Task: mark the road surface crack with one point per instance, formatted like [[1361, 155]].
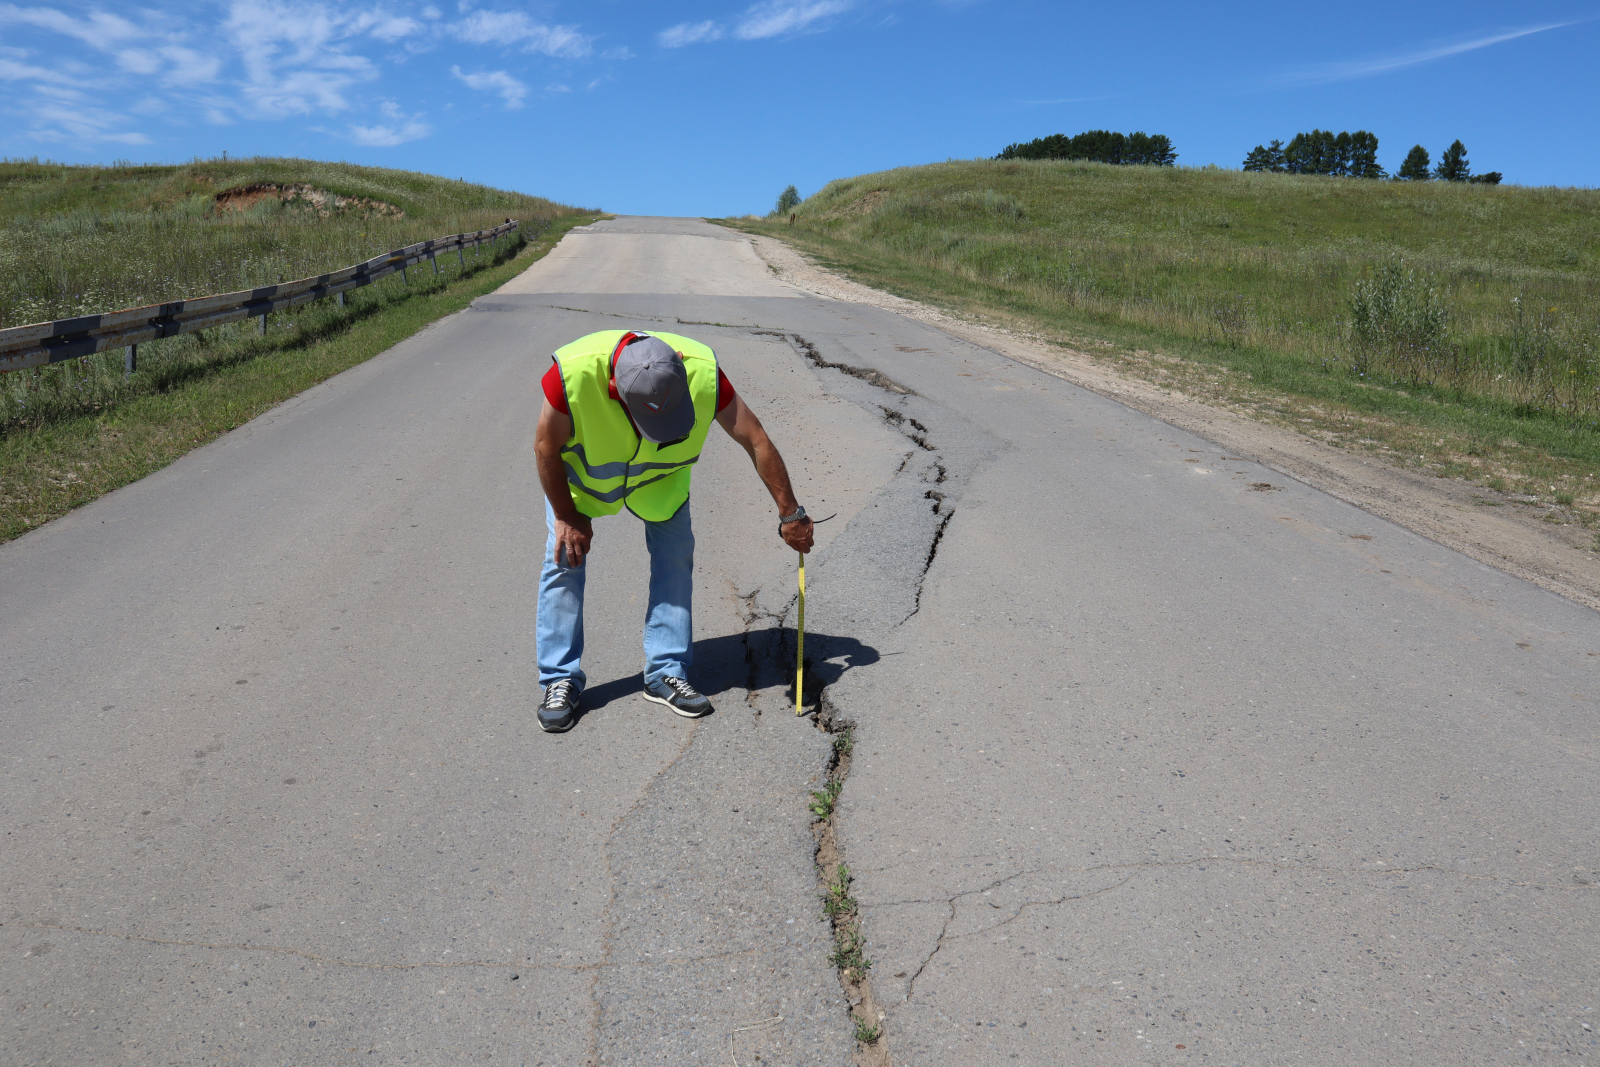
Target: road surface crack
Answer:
[[833, 875], [809, 352], [945, 935]]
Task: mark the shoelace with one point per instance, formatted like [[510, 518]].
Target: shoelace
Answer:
[[558, 694], [681, 687]]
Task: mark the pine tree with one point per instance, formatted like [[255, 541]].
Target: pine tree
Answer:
[[1103, 146], [1415, 168], [1261, 158], [1343, 149], [1453, 164], [1364, 155], [1493, 177]]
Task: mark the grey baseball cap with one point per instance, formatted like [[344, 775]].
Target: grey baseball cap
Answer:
[[654, 387]]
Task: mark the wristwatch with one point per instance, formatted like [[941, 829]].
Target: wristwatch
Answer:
[[784, 520]]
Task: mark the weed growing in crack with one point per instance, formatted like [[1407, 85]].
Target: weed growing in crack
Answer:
[[840, 908], [847, 955], [837, 902], [822, 800]]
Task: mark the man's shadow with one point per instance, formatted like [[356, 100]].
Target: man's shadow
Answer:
[[759, 659]]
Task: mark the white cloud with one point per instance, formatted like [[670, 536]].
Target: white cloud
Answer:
[[15, 70], [384, 26], [510, 89], [294, 57], [1363, 68], [186, 66], [99, 30], [82, 124], [776, 17], [246, 59], [689, 33], [400, 129], [516, 28]]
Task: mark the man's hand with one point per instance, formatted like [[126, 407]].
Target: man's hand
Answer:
[[573, 538], [573, 532], [797, 534]]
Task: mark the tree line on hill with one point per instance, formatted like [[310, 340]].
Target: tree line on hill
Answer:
[[1101, 146], [1355, 155]]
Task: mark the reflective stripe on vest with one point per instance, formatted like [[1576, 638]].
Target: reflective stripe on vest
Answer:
[[608, 464]]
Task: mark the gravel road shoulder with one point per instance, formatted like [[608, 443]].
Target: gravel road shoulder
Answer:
[[1454, 513]]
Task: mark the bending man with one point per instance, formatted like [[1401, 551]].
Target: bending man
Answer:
[[624, 419]]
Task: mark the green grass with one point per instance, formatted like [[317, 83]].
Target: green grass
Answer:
[[1244, 288], [77, 240], [66, 457]]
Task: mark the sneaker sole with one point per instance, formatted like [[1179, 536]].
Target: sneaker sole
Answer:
[[677, 710], [557, 727]]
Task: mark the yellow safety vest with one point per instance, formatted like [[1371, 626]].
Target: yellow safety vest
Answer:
[[608, 463]]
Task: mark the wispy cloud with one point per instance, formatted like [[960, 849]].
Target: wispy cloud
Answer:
[[1366, 68], [97, 30], [512, 91], [241, 60], [774, 18], [689, 33], [398, 130], [516, 28]]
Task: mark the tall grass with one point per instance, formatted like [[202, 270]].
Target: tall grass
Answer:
[[80, 240], [1481, 294]]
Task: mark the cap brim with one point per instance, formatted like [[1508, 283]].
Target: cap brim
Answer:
[[668, 426]]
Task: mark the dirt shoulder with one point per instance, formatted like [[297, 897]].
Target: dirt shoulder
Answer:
[[1522, 538]]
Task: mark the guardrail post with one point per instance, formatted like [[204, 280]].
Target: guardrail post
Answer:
[[435, 261], [341, 298], [263, 324], [130, 361], [404, 277], [460, 262]]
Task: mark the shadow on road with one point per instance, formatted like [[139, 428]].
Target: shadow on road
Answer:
[[755, 660]]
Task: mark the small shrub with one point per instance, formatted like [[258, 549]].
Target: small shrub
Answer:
[[1398, 317], [788, 200]]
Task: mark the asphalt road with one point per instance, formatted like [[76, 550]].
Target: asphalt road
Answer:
[[1161, 757]]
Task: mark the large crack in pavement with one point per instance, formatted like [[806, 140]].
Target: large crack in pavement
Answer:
[[692, 889], [866, 585]]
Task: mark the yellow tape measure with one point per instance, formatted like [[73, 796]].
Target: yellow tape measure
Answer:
[[800, 643]]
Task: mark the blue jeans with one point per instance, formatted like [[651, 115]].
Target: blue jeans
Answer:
[[668, 621]]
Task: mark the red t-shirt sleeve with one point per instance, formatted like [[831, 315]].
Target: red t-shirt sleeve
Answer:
[[725, 392], [554, 390]]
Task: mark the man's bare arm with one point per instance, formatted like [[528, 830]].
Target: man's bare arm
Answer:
[[743, 426], [573, 531]]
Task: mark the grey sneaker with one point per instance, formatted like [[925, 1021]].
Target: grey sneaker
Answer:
[[560, 708], [680, 696]]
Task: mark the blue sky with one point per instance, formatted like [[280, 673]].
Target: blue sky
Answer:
[[711, 107]]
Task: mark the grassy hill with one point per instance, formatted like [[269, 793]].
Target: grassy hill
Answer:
[[77, 240], [1471, 309]]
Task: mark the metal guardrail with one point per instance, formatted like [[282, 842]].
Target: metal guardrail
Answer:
[[44, 343]]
